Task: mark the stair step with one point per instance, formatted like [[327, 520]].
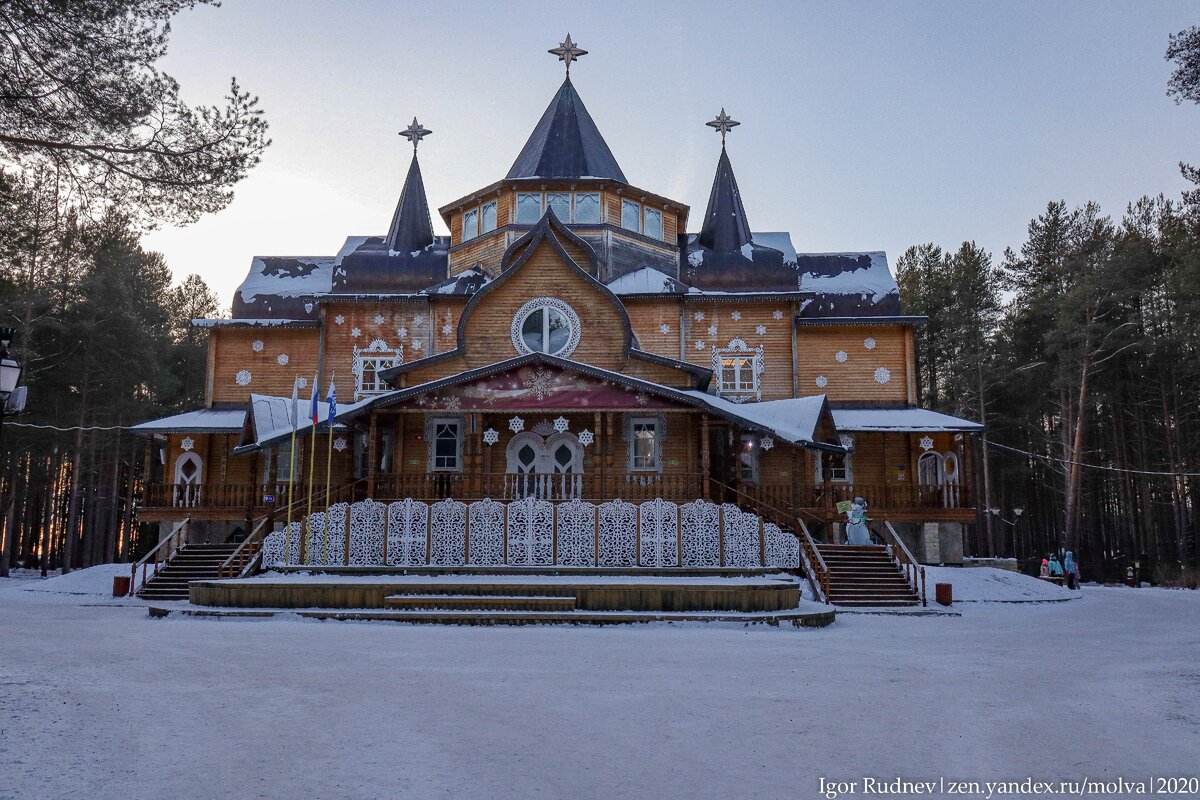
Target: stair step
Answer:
[[876, 603], [466, 602]]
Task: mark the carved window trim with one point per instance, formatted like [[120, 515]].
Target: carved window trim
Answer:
[[738, 357], [660, 436], [379, 357], [540, 304], [431, 433]]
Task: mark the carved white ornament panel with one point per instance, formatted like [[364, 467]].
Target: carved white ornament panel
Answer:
[[712, 330], [577, 534], [315, 547], [302, 382], [701, 521], [618, 534], [379, 319], [737, 348], [741, 537], [366, 533], [846, 440], [446, 329], [335, 521], [356, 332], [272, 550], [242, 377], [736, 315], [659, 522], [448, 533], [782, 549], [883, 375], [487, 532], [531, 532], [407, 540], [291, 550], [379, 357]]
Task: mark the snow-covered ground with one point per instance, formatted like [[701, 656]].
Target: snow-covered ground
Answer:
[[989, 584], [97, 700]]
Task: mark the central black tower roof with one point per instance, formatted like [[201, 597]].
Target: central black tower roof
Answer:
[[566, 144]]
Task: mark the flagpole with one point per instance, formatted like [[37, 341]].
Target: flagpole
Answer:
[[328, 470], [287, 553], [312, 466]]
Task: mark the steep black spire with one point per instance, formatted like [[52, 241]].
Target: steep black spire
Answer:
[[566, 144], [725, 225], [411, 227]]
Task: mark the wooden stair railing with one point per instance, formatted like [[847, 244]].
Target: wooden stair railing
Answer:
[[914, 573], [159, 555], [816, 571], [242, 560]]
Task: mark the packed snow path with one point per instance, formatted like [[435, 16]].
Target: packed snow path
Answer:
[[104, 702]]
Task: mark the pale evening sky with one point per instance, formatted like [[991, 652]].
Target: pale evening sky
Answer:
[[865, 126]]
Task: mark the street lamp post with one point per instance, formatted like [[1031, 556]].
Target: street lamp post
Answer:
[[10, 373]]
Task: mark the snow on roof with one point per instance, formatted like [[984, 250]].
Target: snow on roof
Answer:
[[201, 420], [646, 280], [251, 323], [794, 419], [273, 416], [288, 276], [352, 244], [899, 419], [874, 279], [778, 240]]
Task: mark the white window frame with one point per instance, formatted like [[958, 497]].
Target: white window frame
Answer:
[[646, 211], [431, 428], [570, 204], [380, 357], [541, 206], [539, 304], [635, 204], [474, 213], [599, 207], [847, 468], [483, 209], [749, 360], [752, 452], [660, 434]]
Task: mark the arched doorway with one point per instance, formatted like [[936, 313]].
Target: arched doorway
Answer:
[[189, 474], [548, 467]]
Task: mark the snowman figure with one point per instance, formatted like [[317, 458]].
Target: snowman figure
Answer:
[[856, 523]]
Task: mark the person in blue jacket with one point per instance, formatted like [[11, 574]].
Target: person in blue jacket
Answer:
[[1071, 568], [1056, 570]]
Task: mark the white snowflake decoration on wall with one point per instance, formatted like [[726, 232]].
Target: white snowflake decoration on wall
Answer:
[[417, 344], [402, 331], [712, 330], [339, 444], [188, 443], [736, 315], [561, 424], [761, 330], [516, 424], [308, 307], [339, 319], [664, 328], [926, 442], [282, 359], [491, 436], [640, 399], [379, 319], [869, 343], [243, 377], [777, 314], [586, 437], [302, 382], [700, 345], [699, 315], [847, 440], [766, 443], [822, 381], [840, 356], [446, 329], [883, 375], [454, 404], [356, 332], [257, 345], [419, 319]]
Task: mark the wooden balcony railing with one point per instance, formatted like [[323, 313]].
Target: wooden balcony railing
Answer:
[[548, 486]]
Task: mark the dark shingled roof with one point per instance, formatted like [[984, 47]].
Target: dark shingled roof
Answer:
[[566, 144], [411, 227], [725, 226]]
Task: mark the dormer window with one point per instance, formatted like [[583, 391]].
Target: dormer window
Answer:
[[631, 216], [653, 225], [529, 208], [587, 207], [546, 325], [487, 218], [470, 225]]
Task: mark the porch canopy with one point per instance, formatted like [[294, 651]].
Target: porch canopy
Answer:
[[539, 381], [900, 420], [200, 420]]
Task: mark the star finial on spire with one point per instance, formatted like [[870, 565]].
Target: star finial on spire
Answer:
[[415, 133], [568, 52], [723, 123]]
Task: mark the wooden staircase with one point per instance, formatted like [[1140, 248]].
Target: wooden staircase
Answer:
[[865, 575], [192, 562]]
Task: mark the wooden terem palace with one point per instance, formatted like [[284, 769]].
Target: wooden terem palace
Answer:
[[569, 339]]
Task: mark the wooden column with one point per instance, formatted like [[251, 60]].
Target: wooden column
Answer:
[[597, 422], [606, 440], [705, 458], [372, 453]]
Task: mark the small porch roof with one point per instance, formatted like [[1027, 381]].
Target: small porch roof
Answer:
[[270, 420], [902, 420], [200, 420]]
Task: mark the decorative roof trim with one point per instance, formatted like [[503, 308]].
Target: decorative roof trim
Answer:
[[881, 320]]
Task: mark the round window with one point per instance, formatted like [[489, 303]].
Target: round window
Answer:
[[546, 325]]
